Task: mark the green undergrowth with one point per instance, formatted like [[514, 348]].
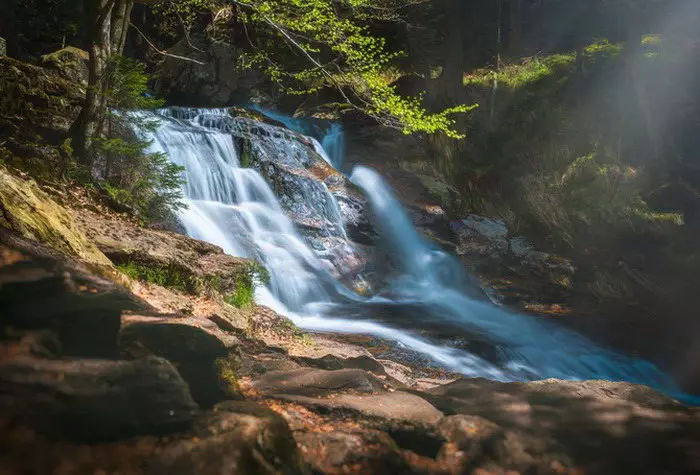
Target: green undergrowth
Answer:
[[165, 276], [171, 277], [251, 275], [538, 68]]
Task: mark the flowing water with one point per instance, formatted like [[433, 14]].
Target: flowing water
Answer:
[[231, 203]]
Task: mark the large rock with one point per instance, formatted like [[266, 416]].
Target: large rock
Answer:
[[3, 47], [28, 211], [235, 437], [596, 426], [206, 357], [175, 338], [95, 399], [70, 63], [82, 309], [219, 81], [37, 108], [201, 265]]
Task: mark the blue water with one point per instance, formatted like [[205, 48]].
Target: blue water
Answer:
[[235, 208]]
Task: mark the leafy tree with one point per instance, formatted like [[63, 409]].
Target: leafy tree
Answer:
[[329, 37], [146, 183]]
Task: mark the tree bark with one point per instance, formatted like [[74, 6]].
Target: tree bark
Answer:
[[86, 126], [120, 25]]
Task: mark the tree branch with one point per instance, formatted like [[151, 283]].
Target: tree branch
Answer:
[[164, 53]]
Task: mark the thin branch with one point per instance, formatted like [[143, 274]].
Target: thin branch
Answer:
[[164, 53]]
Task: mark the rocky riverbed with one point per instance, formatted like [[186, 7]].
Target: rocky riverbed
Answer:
[[104, 374]]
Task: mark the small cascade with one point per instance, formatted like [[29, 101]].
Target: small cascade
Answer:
[[250, 190]]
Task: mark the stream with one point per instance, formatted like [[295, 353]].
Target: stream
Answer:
[[247, 189]]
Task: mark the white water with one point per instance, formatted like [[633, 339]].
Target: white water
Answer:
[[235, 208]]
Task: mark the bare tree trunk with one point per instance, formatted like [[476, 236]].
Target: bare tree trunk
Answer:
[[120, 24], [86, 126]]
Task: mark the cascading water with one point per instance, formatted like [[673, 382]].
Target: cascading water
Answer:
[[231, 203]]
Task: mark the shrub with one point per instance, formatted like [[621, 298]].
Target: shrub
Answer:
[[251, 275]]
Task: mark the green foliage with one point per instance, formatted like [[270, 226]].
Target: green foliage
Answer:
[[146, 183], [251, 275], [332, 47], [169, 277]]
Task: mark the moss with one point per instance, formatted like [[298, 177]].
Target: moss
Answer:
[[228, 377], [244, 295], [166, 276], [30, 212]]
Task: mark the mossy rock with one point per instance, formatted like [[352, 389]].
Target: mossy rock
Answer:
[[28, 211], [69, 62]]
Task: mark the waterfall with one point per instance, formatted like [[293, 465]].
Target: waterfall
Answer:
[[255, 207]]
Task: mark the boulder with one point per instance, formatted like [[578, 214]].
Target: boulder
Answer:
[[3, 47], [595, 426], [234, 437], [95, 399], [206, 357], [70, 63], [37, 109], [28, 211], [175, 338], [198, 265], [315, 382], [83, 310], [218, 82]]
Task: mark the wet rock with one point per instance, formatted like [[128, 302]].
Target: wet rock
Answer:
[[95, 399], [314, 382], [81, 309], [206, 357], [234, 437]]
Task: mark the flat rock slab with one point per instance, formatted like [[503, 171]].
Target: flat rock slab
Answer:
[[317, 382], [175, 338], [396, 406], [95, 400]]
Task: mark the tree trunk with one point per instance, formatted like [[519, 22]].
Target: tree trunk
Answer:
[[120, 25], [86, 126]]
